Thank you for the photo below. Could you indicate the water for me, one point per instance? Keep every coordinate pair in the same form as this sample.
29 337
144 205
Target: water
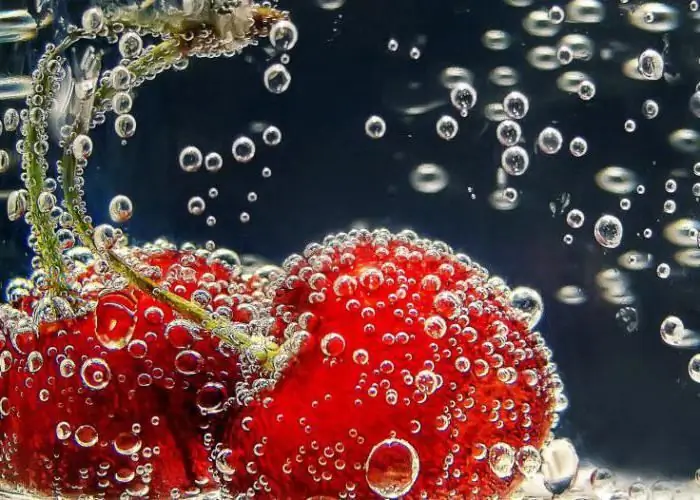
164 341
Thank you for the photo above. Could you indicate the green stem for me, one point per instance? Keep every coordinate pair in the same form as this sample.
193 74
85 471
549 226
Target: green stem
35 164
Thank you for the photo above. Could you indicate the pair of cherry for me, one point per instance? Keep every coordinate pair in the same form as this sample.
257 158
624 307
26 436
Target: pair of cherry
413 377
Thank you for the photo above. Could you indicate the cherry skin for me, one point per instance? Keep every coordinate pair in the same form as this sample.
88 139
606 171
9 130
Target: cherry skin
127 398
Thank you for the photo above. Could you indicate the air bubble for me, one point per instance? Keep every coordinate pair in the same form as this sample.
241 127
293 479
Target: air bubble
277 78
392 468
463 97
447 127
243 149
284 35
429 178
608 231
651 65
515 160
130 45
272 136
508 132
529 303
196 205
120 209
375 127
95 373
190 159
125 126
516 105
578 146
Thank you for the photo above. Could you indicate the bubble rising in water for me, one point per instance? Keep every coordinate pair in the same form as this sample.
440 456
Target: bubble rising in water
272 136
243 149
447 127
277 78
608 231
651 65
429 178
196 205
190 159
120 209
515 160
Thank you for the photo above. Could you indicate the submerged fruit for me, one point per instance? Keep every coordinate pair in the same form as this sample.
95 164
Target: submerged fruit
126 397
417 380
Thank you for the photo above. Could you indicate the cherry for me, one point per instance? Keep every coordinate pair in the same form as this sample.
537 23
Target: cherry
127 397
417 379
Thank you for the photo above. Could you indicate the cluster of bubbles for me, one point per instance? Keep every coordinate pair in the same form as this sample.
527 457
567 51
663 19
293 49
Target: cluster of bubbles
243 150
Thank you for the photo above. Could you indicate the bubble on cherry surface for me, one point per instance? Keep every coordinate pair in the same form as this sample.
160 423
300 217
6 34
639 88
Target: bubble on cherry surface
127 443
211 398
501 459
86 436
392 468
95 374
63 430
333 344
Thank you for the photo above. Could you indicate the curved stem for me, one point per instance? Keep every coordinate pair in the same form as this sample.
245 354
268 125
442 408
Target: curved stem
165 54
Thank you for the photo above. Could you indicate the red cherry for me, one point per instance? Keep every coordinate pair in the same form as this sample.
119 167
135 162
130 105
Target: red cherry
126 398
418 379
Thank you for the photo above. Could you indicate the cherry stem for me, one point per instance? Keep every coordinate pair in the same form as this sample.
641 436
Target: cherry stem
34 163
164 54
